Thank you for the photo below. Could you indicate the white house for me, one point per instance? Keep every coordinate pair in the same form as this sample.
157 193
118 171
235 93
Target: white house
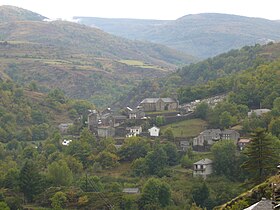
66 142
134 131
154 131
203 168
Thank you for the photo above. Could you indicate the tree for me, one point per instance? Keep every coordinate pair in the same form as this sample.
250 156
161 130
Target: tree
172 153
186 162
59 200
60 174
30 180
202 110
226 120
80 150
139 167
91 184
133 148
200 194
107 159
169 134
156 194
160 120
225 158
156 161
4 206
274 127
276 107
88 137
262 156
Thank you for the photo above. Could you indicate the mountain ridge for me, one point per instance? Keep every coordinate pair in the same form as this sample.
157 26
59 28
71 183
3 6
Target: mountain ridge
203 35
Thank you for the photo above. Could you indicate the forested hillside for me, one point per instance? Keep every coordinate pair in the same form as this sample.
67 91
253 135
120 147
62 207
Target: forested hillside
29 116
217 70
202 35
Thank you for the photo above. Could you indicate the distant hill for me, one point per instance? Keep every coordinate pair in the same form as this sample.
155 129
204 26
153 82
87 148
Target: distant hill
11 13
202 35
82 61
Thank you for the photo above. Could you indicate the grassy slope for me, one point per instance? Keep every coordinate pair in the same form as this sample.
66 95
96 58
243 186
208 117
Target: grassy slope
187 128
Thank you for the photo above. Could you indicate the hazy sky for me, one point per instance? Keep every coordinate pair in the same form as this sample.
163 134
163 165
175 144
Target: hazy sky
148 9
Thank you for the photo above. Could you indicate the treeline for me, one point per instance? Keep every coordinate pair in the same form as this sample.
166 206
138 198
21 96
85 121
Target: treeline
254 87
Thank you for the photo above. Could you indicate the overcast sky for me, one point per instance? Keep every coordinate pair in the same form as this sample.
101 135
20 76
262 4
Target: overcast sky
148 9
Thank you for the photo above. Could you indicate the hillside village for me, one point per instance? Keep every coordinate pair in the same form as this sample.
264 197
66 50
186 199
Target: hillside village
90 120
146 119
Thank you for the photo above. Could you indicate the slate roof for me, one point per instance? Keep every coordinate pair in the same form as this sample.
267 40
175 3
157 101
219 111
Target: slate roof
244 140
154 100
131 190
169 100
228 131
149 100
264 204
205 161
258 112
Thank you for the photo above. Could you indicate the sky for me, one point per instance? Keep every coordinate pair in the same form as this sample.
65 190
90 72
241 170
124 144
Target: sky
148 9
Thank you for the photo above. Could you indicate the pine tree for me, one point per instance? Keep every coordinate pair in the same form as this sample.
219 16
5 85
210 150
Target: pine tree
261 154
30 180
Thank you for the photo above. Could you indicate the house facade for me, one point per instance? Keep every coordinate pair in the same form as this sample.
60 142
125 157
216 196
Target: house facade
134 131
154 131
210 136
63 127
203 168
242 143
207 137
105 131
159 104
135 113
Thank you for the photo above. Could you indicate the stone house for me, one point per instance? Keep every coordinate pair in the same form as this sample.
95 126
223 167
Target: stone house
230 134
210 136
136 114
203 168
207 137
184 145
93 120
63 127
105 131
159 104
